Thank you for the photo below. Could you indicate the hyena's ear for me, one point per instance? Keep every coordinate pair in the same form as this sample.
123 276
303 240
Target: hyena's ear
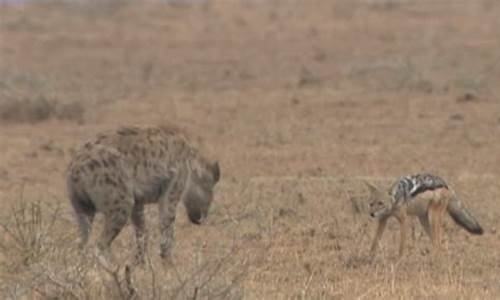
216 171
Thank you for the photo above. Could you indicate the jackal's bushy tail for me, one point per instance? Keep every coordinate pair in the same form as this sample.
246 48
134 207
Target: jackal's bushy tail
463 217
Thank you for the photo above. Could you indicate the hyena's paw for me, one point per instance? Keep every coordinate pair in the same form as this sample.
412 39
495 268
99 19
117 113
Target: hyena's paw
166 251
105 258
167 259
139 259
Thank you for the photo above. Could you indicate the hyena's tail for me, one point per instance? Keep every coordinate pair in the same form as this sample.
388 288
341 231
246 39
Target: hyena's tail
463 217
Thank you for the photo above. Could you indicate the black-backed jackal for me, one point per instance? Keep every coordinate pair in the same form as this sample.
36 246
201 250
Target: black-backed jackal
425 196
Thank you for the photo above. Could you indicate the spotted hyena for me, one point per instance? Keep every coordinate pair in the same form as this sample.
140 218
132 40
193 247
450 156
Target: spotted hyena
118 172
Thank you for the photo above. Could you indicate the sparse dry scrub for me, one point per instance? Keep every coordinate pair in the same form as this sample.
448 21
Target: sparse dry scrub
38 259
27 234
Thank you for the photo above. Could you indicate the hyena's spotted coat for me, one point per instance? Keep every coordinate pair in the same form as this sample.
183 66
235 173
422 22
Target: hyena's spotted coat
118 172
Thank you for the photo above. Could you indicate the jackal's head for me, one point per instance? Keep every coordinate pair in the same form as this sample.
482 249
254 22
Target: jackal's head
380 202
199 192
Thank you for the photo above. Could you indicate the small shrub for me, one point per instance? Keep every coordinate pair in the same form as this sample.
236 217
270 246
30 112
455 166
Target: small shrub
71 112
39 109
27 110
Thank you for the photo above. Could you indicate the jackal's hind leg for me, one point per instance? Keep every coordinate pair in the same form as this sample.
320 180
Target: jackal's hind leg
140 232
435 217
439 226
380 230
424 221
432 212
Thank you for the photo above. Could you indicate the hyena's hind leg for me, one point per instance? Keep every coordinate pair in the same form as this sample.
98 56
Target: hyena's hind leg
140 232
114 220
85 221
85 213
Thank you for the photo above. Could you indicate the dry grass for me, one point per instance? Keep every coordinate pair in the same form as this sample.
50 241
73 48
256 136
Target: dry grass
40 261
299 100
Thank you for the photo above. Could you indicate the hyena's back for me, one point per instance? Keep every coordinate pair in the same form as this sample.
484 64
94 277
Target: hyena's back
150 154
148 146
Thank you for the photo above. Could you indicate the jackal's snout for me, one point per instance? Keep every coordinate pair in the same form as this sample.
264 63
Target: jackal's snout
377 208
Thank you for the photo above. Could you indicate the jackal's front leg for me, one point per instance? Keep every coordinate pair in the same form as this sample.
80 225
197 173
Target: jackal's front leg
402 242
380 230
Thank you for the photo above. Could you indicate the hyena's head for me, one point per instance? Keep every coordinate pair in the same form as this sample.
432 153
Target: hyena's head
380 202
199 192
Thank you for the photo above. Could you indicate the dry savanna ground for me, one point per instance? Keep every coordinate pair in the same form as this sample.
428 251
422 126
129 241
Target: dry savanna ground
299 101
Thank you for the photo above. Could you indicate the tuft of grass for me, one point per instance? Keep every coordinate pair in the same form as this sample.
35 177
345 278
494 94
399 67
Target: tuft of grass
27 232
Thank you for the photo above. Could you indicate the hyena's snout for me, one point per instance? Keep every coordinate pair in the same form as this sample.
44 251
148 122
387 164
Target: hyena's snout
197 217
197 208
198 198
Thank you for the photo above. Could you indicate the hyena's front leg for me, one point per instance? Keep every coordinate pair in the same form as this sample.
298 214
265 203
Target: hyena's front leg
168 205
140 232
167 220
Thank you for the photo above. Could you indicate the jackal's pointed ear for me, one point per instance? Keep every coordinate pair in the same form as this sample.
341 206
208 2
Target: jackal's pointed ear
373 189
216 171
